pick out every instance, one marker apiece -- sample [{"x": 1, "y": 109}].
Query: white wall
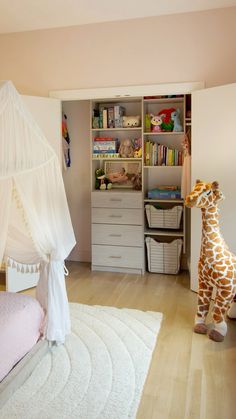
[{"x": 77, "y": 178}]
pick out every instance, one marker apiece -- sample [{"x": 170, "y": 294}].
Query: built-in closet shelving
[{"x": 119, "y": 224}]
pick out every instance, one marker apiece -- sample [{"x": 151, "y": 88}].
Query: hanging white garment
[
  {"x": 35, "y": 222},
  {"x": 186, "y": 177}
]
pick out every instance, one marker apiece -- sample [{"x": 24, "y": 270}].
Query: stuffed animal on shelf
[
  {"x": 101, "y": 181},
  {"x": 217, "y": 265},
  {"x": 131, "y": 121},
  {"x": 156, "y": 123},
  {"x": 167, "y": 123},
  {"x": 175, "y": 117},
  {"x": 126, "y": 149}
]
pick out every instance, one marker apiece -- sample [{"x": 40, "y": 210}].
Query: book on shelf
[
  {"x": 119, "y": 112},
  {"x": 104, "y": 146},
  {"x": 104, "y": 119},
  {"x": 160, "y": 193},
  {"x": 106, "y": 155},
  {"x": 110, "y": 118}
]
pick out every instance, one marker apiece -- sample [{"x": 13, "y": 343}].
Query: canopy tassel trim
[{"x": 22, "y": 267}]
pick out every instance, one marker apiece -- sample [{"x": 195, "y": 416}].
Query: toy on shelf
[
  {"x": 126, "y": 149},
  {"x": 131, "y": 121},
  {"x": 217, "y": 265},
  {"x": 175, "y": 117},
  {"x": 137, "y": 144},
  {"x": 101, "y": 181},
  {"x": 147, "y": 122},
  {"x": 167, "y": 123},
  {"x": 156, "y": 123}
]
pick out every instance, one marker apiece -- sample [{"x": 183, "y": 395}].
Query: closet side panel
[
  {"x": 77, "y": 177},
  {"x": 214, "y": 158}
]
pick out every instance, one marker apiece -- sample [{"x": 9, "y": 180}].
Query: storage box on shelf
[
  {"x": 163, "y": 218},
  {"x": 163, "y": 257}
]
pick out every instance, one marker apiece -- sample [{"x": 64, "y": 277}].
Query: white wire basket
[
  {"x": 163, "y": 257},
  {"x": 163, "y": 218}
]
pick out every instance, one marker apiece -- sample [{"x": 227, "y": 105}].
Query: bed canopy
[{"x": 35, "y": 222}]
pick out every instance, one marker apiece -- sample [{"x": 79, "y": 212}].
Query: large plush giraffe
[{"x": 217, "y": 265}]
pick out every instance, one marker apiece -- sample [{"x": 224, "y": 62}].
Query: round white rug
[{"x": 99, "y": 373}]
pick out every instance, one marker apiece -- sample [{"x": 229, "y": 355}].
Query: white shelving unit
[{"x": 119, "y": 225}]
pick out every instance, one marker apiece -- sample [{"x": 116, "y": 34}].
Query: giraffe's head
[{"x": 204, "y": 195}]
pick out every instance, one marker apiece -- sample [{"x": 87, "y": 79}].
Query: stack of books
[
  {"x": 160, "y": 155},
  {"x": 165, "y": 192},
  {"x": 105, "y": 146}
]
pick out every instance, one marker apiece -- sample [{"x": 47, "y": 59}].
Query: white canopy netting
[{"x": 35, "y": 222}]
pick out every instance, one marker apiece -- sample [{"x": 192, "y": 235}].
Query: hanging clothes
[{"x": 65, "y": 143}]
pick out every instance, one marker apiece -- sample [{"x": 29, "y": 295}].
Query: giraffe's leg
[
  {"x": 204, "y": 299},
  {"x": 232, "y": 310},
  {"x": 221, "y": 305}
]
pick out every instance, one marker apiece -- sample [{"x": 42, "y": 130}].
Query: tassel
[
  {"x": 18, "y": 268},
  {"x": 32, "y": 269},
  {"x": 22, "y": 269}
]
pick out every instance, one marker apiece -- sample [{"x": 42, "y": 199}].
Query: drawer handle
[
  {"x": 115, "y": 257},
  {"x": 115, "y": 235},
  {"x": 116, "y": 199},
  {"x": 115, "y": 216}
]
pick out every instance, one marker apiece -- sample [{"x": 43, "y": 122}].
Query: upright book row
[
  {"x": 111, "y": 117},
  {"x": 160, "y": 155}
]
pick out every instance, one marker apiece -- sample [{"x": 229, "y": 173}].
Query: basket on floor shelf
[
  {"x": 164, "y": 257},
  {"x": 164, "y": 218}
]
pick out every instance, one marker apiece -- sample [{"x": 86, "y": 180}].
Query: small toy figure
[
  {"x": 167, "y": 123},
  {"x": 101, "y": 181},
  {"x": 137, "y": 144},
  {"x": 156, "y": 122},
  {"x": 217, "y": 265},
  {"x": 131, "y": 121},
  {"x": 175, "y": 117}
]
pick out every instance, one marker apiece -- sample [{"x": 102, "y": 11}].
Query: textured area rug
[{"x": 99, "y": 373}]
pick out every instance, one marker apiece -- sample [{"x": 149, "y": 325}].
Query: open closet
[{"x": 213, "y": 151}]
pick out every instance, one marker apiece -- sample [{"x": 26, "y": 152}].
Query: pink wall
[{"x": 184, "y": 47}]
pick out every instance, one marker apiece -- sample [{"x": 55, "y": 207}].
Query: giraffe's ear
[
  {"x": 198, "y": 181},
  {"x": 215, "y": 185}
]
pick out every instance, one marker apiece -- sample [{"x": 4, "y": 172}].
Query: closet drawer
[
  {"x": 120, "y": 235},
  {"x": 117, "y": 216},
  {"x": 108, "y": 199},
  {"x": 117, "y": 256}
]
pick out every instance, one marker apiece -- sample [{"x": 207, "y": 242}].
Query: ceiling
[{"x": 25, "y": 15}]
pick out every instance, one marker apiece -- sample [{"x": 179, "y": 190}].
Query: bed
[{"x": 21, "y": 322}]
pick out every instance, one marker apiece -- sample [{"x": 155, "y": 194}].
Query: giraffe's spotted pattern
[{"x": 217, "y": 265}]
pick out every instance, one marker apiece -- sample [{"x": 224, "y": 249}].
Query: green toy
[{"x": 101, "y": 181}]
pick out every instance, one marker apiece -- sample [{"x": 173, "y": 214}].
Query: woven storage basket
[
  {"x": 164, "y": 218},
  {"x": 164, "y": 257}
]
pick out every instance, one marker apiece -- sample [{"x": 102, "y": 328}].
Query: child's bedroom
[{"x": 117, "y": 209}]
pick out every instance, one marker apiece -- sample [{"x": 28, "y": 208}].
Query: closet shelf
[
  {"x": 174, "y": 201},
  {"x": 164, "y": 133},
  {"x": 117, "y": 129},
  {"x": 159, "y": 232}
]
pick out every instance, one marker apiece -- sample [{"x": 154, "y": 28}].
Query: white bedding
[{"x": 21, "y": 321}]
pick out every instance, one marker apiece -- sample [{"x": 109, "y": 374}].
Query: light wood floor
[{"x": 190, "y": 376}]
